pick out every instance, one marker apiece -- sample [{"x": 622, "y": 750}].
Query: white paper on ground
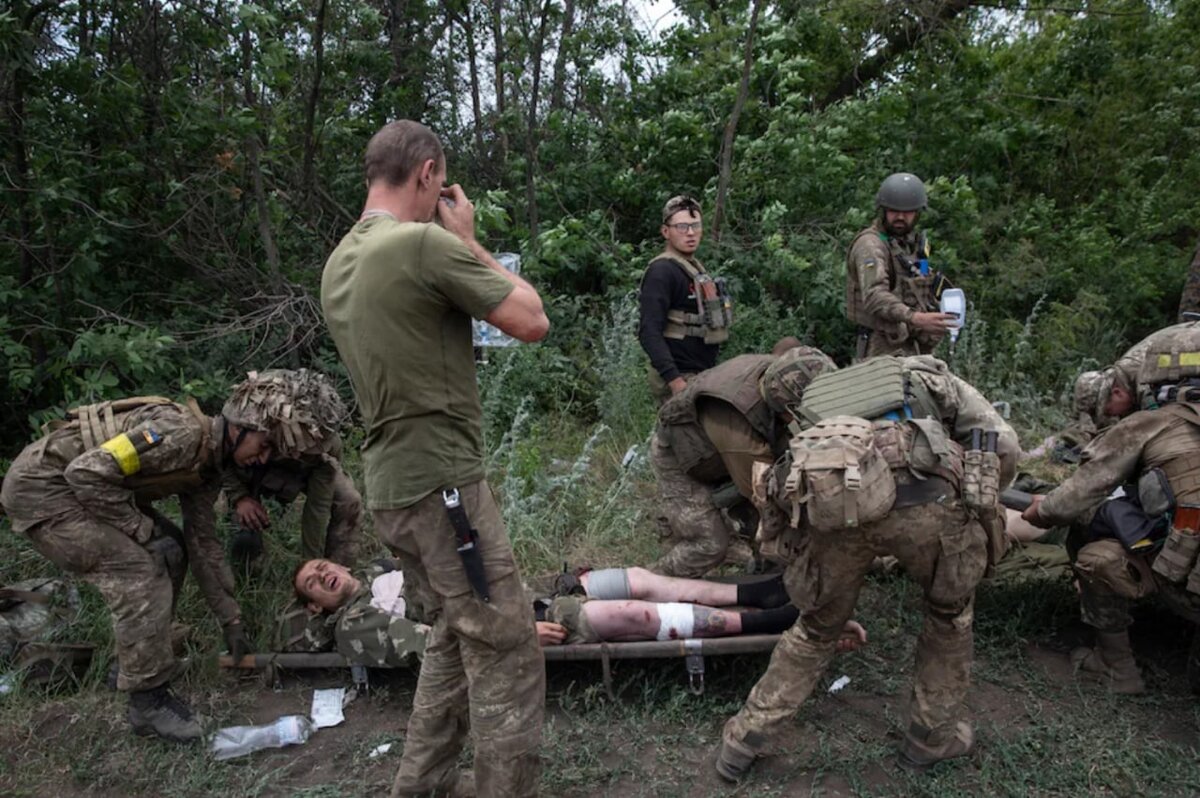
[
  {"x": 327, "y": 707},
  {"x": 379, "y": 750},
  {"x": 839, "y": 683}
]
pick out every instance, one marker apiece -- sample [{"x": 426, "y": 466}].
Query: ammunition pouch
[
  {"x": 837, "y": 478},
  {"x": 714, "y": 306},
  {"x": 981, "y": 483},
  {"x": 777, "y": 540},
  {"x": 1178, "y": 556}
]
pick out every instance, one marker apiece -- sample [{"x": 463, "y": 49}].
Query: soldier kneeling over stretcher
[{"x": 612, "y": 604}]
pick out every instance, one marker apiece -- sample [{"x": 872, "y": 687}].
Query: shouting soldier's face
[{"x": 325, "y": 584}]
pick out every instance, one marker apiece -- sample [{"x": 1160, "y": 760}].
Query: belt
[
  {"x": 1187, "y": 517},
  {"x": 924, "y": 491}
]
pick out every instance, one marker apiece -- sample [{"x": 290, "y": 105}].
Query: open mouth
[{"x": 332, "y": 583}]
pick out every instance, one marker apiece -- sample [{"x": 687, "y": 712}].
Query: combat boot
[
  {"x": 1110, "y": 662},
  {"x": 919, "y": 752},
  {"x": 734, "y": 759},
  {"x": 157, "y": 711}
]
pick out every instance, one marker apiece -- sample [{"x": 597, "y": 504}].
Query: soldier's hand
[
  {"x": 676, "y": 385},
  {"x": 458, "y": 215},
  {"x": 235, "y": 640},
  {"x": 251, "y": 514},
  {"x": 550, "y": 634},
  {"x": 145, "y": 530},
  {"x": 933, "y": 322},
  {"x": 1032, "y": 514}
]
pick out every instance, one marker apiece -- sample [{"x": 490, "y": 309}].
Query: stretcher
[{"x": 692, "y": 650}]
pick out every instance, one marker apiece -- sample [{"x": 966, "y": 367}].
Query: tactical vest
[
  {"x": 103, "y": 421},
  {"x": 905, "y": 280},
  {"x": 1178, "y": 454},
  {"x": 734, "y": 381},
  {"x": 714, "y": 306}
]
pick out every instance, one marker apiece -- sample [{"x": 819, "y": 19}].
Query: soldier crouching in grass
[
  {"x": 82, "y": 496},
  {"x": 882, "y": 467}
]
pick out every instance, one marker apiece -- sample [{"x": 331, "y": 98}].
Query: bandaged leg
[
  {"x": 607, "y": 584},
  {"x": 639, "y": 583},
  {"x": 675, "y": 621}
]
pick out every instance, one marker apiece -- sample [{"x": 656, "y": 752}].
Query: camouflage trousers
[
  {"x": 341, "y": 537},
  {"x": 483, "y": 669},
  {"x": 1111, "y": 579},
  {"x": 937, "y": 546},
  {"x": 138, "y": 583},
  {"x": 694, "y": 529}
]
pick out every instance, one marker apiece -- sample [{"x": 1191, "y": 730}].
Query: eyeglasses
[{"x": 687, "y": 227}]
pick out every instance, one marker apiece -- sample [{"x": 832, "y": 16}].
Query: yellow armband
[{"x": 123, "y": 451}]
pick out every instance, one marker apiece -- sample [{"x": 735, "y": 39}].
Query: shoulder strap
[
  {"x": 1184, "y": 410},
  {"x": 692, "y": 269}
]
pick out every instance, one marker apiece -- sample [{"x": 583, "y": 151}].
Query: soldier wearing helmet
[
  {"x": 83, "y": 496},
  {"x": 889, "y": 288},
  {"x": 712, "y": 432},
  {"x": 880, "y": 466},
  {"x": 330, "y": 520}
]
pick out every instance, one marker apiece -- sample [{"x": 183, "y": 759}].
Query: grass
[{"x": 575, "y": 487}]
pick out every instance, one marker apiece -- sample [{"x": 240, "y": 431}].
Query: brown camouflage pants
[
  {"x": 692, "y": 526},
  {"x": 483, "y": 669},
  {"x": 1111, "y": 579},
  {"x": 937, "y": 546},
  {"x": 138, "y": 583}
]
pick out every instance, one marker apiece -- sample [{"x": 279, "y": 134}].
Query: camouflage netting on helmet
[
  {"x": 783, "y": 383},
  {"x": 1091, "y": 393},
  {"x": 300, "y": 410}
]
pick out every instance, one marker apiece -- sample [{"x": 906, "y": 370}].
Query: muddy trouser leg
[
  {"x": 169, "y": 545},
  {"x": 1109, "y": 582},
  {"x": 692, "y": 525},
  {"x": 482, "y": 655},
  {"x": 134, "y": 584},
  {"x": 946, "y": 553},
  {"x": 840, "y": 561},
  {"x": 345, "y": 522}
]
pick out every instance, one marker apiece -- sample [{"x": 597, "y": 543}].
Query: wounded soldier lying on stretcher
[{"x": 363, "y": 616}]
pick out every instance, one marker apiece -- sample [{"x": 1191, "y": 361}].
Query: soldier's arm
[
  {"x": 206, "y": 554},
  {"x": 318, "y": 502},
  {"x": 98, "y": 476},
  {"x": 974, "y": 411},
  {"x": 234, "y": 485},
  {"x": 654, "y": 300},
  {"x": 1113, "y": 460},
  {"x": 870, "y": 258}
]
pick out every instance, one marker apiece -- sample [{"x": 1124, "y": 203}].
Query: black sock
[
  {"x": 769, "y": 622},
  {"x": 767, "y": 594}
]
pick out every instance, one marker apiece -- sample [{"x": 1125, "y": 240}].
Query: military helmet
[
  {"x": 782, "y": 384},
  {"x": 901, "y": 192},
  {"x": 299, "y": 410},
  {"x": 1091, "y": 393}
]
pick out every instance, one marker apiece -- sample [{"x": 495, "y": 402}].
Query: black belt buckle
[{"x": 466, "y": 540}]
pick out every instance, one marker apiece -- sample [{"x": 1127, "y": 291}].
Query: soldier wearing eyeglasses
[{"x": 685, "y": 311}]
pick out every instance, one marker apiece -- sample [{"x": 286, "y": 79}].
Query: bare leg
[
  {"x": 649, "y": 586},
  {"x": 640, "y": 620}
]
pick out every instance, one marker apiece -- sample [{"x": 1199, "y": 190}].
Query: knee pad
[
  {"x": 608, "y": 583},
  {"x": 675, "y": 620}
]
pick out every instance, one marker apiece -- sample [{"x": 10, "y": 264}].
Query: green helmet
[
  {"x": 299, "y": 410},
  {"x": 901, "y": 192},
  {"x": 782, "y": 384}
]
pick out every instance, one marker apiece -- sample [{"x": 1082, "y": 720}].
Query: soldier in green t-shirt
[{"x": 398, "y": 294}]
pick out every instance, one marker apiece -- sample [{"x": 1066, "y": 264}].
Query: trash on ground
[
  {"x": 236, "y": 741},
  {"x": 839, "y": 683},
  {"x": 327, "y": 707}
]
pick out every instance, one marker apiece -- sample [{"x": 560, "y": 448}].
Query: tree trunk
[
  {"x": 310, "y": 108},
  {"x": 253, "y": 165},
  {"x": 560, "y": 60},
  {"x": 497, "y": 9},
  {"x": 726, "y": 168},
  {"x": 473, "y": 66},
  {"x": 1190, "y": 301},
  {"x": 536, "y": 48}
]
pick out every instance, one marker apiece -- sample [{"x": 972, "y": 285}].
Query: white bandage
[{"x": 675, "y": 620}]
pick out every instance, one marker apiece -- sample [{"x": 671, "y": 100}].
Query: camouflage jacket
[
  {"x": 882, "y": 291},
  {"x": 1160, "y": 438},
  {"x": 160, "y": 449}
]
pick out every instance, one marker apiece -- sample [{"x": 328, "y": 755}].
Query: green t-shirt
[{"x": 398, "y": 299}]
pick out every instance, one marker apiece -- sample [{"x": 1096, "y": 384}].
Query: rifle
[{"x": 1015, "y": 499}]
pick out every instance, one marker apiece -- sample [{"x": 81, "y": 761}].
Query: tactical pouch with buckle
[
  {"x": 837, "y": 477},
  {"x": 981, "y": 482},
  {"x": 1178, "y": 556}
]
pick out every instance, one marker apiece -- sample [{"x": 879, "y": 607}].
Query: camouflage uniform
[
  {"x": 937, "y": 543},
  {"x": 1110, "y": 577},
  {"x": 567, "y": 611},
  {"x": 884, "y": 289},
  {"x": 332, "y": 516},
  {"x": 479, "y": 651},
  {"x": 711, "y": 432},
  {"x": 82, "y": 496}
]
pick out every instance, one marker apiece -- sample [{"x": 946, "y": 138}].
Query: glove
[{"x": 235, "y": 639}]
